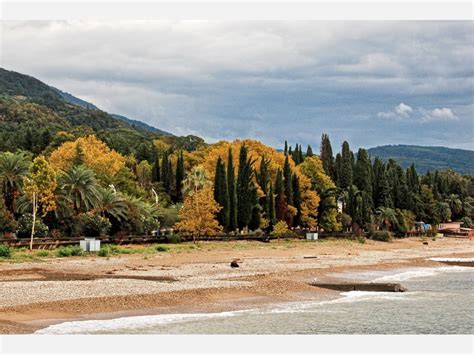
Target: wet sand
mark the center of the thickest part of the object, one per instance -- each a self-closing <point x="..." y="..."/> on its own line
<point x="36" y="294"/>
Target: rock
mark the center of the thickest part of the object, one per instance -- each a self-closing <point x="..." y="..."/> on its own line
<point x="234" y="263"/>
<point x="425" y="243"/>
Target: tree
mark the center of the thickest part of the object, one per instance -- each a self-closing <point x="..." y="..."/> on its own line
<point x="111" y="204"/>
<point x="296" y="199"/>
<point x="271" y="206"/>
<point x="179" y="177"/>
<point x="221" y="193"/>
<point x="309" y="151"/>
<point x="78" y="187"/>
<point x="144" y="173"/>
<point x="287" y="175"/>
<point x="232" y="192"/>
<point x="13" y="169"/>
<point x="195" y="181"/>
<point x="40" y="185"/>
<point x="345" y="178"/>
<point x="198" y="214"/>
<point x="106" y="163"/>
<point x="280" y="202"/>
<point x="245" y="187"/>
<point x="327" y="156"/>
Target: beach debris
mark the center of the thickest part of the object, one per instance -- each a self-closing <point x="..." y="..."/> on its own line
<point x="425" y="243"/>
<point x="310" y="257"/>
<point x="235" y="263"/>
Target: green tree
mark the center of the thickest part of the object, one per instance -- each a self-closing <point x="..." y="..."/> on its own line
<point x="287" y="175"/>
<point x="179" y="177"/>
<point x="13" y="169"/>
<point x="231" y="187"/>
<point x="327" y="157"/>
<point x="345" y="178"/>
<point x="245" y="187"/>
<point x="221" y="193"/>
<point x="78" y="187"/>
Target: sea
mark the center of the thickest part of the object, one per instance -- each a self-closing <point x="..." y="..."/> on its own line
<point x="438" y="301"/>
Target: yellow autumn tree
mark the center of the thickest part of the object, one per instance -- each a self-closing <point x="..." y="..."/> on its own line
<point x="198" y="214"/>
<point x="39" y="186"/>
<point x="91" y="152"/>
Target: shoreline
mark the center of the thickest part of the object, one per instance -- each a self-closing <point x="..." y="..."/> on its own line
<point x="258" y="283"/>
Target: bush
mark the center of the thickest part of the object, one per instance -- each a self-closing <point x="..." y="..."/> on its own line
<point x="173" y="238"/>
<point x="361" y="239"/>
<point x="7" y="222"/>
<point x="280" y="229"/>
<point x="92" y="225"/>
<point x="162" y="248"/>
<point x="5" y="251"/>
<point x="26" y="222"/>
<point x="103" y="252"/>
<point x="381" y="235"/>
<point x="69" y="251"/>
<point x="42" y="253"/>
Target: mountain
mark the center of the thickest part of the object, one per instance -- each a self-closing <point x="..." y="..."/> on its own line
<point x="427" y="158"/>
<point x="37" y="117"/>
<point x="143" y="125"/>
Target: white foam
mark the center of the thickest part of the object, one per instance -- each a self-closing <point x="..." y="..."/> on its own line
<point x="137" y="322"/>
<point x="421" y="272"/>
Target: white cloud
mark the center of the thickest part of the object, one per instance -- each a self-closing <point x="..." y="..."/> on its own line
<point x="438" y="114"/>
<point x="399" y="112"/>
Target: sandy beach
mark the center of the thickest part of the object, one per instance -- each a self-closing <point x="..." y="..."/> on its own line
<point x="36" y="294"/>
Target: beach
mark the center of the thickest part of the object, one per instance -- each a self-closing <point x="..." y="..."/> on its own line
<point x="36" y="294"/>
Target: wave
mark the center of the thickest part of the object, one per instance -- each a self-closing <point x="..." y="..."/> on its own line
<point x="453" y="259"/>
<point x="421" y="272"/>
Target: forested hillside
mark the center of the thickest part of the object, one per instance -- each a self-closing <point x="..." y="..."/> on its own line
<point x="37" y="118"/>
<point x="427" y="158"/>
<point x="80" y="171"/>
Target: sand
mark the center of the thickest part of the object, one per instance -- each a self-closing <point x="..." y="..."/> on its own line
<point x="36" y="294"/>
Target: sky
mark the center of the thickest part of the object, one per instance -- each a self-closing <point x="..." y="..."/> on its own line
<point x="371" y="83"/>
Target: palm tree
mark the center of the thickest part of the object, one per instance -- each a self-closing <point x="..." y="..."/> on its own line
<point x="387" y="217"/>
<point x="79" y="188"/>
<point x="196" y="180"/>
<point x="13" y="169"/>
<point x="111" y="203"/>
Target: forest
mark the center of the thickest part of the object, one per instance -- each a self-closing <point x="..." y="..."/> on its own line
<point x="68" y="170"/>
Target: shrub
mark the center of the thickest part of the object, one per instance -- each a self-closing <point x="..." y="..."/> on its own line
<point x="92" y="225"/>
<point x="5" y="251"/>
<point x="381" y="235"/>
<point x="280" y="229"/>
<point x="103" y="252"/>
<point x="69" y="251"/>
<point x="7" y="222"/>
<point x="42" y="253"/>
<point x="162" y="248"/>
<point x="26" y="222"/>
<point x="173" y="238"/>
<point x="361" y="239"/>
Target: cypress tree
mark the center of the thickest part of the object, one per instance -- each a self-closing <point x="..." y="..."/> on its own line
<point x="166" y="173"/>
<point x="295" y="155"/>
<point x="300" y="155"/>
<point x="363" y="172"/>
<point x="231" y="188"/>
<point x="280" y="201"/>
<point x="156" y="174"/>
<point x="327" y="157"/>
<point x="337" y="170"/>
<point x="346" y="166"/>
<point x="256" y="211"/>
<point x="285" y="151"/>
<point x="179" y="177"/>
<point x="309" y="151"/>
<point x="296" y="199"/>
<point x="245" y="197"/>
<point x="287" y="174"/>
<point x="263" y="179"/>
<point x="221" y="194"/>
<point x="290" y="151"/>
<point x="271" y="206"/>
<point x="78" y="156"/>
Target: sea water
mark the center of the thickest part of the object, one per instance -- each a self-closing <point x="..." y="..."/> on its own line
<point x="438" y="301"/>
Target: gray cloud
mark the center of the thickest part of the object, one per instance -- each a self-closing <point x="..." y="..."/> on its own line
<point x="369" y="82"/>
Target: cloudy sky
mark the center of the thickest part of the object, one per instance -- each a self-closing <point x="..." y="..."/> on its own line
<point x="371" y="83"/>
